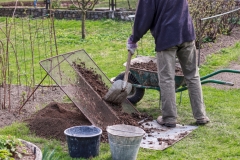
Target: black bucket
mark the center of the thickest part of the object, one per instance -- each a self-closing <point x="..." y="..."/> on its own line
<point x="83" y="141"/>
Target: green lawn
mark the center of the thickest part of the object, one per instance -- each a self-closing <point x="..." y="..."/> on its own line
<point x="106" y="44"/>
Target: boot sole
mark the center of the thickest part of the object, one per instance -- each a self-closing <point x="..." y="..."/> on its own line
<point x="202" y="122"/>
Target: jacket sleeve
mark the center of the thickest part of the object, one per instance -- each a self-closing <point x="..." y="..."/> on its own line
<point x="143" y="19"/>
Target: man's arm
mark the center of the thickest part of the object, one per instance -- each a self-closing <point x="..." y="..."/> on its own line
<point x="143" y="19"/>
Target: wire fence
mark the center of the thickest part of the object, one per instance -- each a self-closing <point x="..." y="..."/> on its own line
<point x="28" y="41"/>
<point x="209" y="28"/>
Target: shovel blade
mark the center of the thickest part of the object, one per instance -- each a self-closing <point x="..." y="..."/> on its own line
<point x="117" y="94"/>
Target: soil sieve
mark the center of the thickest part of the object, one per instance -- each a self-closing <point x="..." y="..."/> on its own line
<point x="62" y="69"/>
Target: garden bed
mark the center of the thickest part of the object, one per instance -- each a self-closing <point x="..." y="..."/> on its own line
<point x="18" y="149"/>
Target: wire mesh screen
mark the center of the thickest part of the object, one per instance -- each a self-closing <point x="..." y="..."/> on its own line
<point x="85" y="84"/>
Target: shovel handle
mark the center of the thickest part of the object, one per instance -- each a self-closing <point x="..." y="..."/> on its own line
<point x="127" y="69"/>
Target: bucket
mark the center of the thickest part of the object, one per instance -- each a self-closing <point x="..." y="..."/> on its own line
<point x="124" y="141"/>
<point x="83" y="141"/>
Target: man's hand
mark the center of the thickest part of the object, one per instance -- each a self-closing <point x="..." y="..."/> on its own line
<point x="131" y="46"/>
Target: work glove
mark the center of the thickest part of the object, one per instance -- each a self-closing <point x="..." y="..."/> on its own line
<point x="131" y="46"/>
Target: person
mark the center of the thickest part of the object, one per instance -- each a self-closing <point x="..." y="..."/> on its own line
<point x="35" y="3"/>
<point x="171" y="26"/>
<point x="47" y="4"/>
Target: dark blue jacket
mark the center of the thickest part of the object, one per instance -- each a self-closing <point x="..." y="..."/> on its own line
<point x="168" y="20"/>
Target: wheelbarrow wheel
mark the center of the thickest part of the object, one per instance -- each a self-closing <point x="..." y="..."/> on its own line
<point x="136" y="94"/>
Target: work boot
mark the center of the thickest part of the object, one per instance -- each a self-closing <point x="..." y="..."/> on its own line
<point x="166" y="124"/>
<point x="202" y="121"/>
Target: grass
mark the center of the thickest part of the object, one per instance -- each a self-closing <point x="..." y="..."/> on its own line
<point x="104" y="39"/>
<point x="106" y="44"/>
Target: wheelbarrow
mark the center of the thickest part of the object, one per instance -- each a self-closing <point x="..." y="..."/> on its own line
<point x="142" y="79"/>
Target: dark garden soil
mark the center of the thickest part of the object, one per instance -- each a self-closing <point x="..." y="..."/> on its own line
<point x="92" y="78"/>
<point x="51" y="120"/>
<point x="151" y="66"/>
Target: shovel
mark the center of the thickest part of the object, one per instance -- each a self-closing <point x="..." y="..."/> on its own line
<point x="120" y="89"/>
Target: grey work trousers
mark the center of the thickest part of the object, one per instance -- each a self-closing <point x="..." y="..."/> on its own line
<point x="166" y="60"/>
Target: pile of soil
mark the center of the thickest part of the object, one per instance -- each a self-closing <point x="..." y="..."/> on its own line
<point x="51" y="121"/>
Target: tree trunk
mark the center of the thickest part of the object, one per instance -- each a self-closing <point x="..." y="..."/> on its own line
<point x="83" y="24"/>
<point x="129" y="6"/>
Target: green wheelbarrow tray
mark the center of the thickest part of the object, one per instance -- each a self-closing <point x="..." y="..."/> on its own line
<point x="149" y="79"/>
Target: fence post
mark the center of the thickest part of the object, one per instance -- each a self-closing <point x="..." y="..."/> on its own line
<point x="47" y="2"/>
<point x="112" y="5"/>
<point x="199" y="41"/>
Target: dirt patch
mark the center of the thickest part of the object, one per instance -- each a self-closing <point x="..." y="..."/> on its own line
<point x="42" y="97"/>
<point x="222" y="41"/>
<point x="230" y="77"/>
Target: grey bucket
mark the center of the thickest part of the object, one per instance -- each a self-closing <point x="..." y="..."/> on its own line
<point x="124" y="141"/>
<point x="83" y="141"/>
